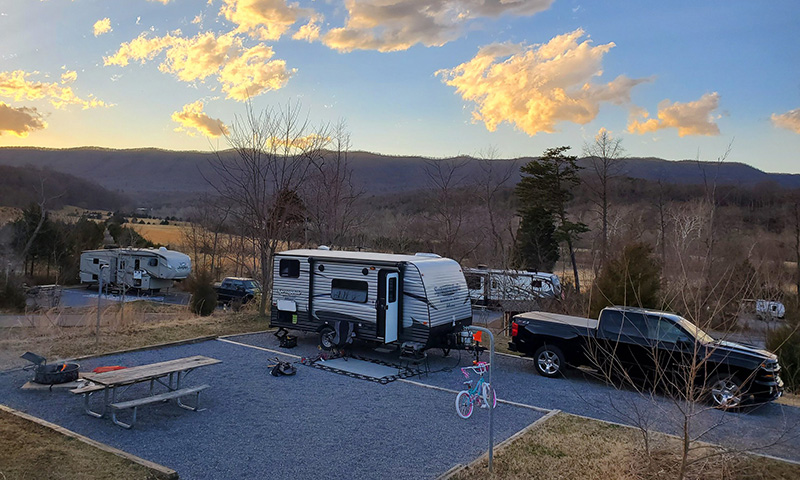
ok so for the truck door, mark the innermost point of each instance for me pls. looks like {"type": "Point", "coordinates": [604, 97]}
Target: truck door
{"type": "Point", "coordinates": [388, 305]}
{"type": "Point", "coordinates": [624, 348]}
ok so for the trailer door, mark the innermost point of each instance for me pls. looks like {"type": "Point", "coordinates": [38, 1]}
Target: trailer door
{"type": "Point", "coordinates": [388, 304]}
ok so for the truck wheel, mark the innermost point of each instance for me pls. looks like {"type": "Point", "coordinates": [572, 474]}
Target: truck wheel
{"type": "Point", "coordinates": [725, 391]}
{"type": "Point", "coordinates": [326, 336]}
{"type": "Point", "coordinates": [549, 361]}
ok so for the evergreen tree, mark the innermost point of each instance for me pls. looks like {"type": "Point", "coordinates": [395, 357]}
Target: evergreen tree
{"type": "Point", "coordinates": [537, 249]}
{"type": "Point", "coordinates": [633, 279]}
{"type": "Point", "coordinates": [545, 190]}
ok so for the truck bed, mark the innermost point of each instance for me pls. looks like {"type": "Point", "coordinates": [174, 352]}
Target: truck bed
{"type": "Point", "coordinates": [581, 322]}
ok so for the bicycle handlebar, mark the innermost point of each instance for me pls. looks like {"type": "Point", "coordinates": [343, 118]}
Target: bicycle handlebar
{"type": "Point", "coordinates": [480, 369]}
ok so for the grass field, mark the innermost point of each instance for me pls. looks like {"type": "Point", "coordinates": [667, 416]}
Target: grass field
{"type": "Point", "coordinates": [171, 235]}
{"type": "Point", "coordinates": [570, 447]}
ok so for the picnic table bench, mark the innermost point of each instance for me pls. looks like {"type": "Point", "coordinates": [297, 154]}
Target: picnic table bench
{"type": "Point", "coordinates": [169, 374]}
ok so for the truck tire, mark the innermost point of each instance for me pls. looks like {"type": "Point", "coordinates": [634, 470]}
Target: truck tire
{"type": "Point", "coordinates": [549, 361]}
{"type": "Point", "coordinates": [724, 391]}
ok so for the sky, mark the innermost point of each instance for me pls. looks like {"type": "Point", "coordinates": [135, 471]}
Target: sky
{"type": "Point", "coordinates": [435, 78]}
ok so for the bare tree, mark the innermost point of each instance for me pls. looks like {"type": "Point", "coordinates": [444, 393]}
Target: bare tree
{"type": "Point", "coordinates": [495, 177]}
{"type": "Point", "coordinates": [448, 209]}
{"type": "Point", "coordinates": [605, 155]}
{"type": "Point", "coordinates": [332, 194]}
{"type": "Point", "coordinates": [273, 152]}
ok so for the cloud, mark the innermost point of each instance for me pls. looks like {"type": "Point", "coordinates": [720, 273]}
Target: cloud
{"type": "Point", "coordinates": [242, 72]}
{"type": "Point", "coordinates": [396, 25]}
{"type": "Point", "coordinates": [308, 32]}
{"type": "Point", "coordinates": [692, 118]}
{"type": "Point", "coordinates": [536, 87]}
{"type": "Point", "coordinates": [102, 26]}
{"type": "Point", "coordinates": [789, 120]}
{"type": "Point", "coordinates": [253, 73]}
{"type": "Point", "coordinates": [198, 57]}
{"type": "Point", "coordinates": [69, 77]}
{"type": "Point", "coordinates": [264, 19]}
{"type": "Point", "coordinates": [19, 121]}
{"type": "Point", "coordinates": [160, 1]}
{"type": "Point", "coordinates": [17, 86]}
{"type": "Point", "coordinates": [192, 118]}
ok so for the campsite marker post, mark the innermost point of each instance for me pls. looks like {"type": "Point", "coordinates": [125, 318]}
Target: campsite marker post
{"type": "Point", "coordinates": [99, 295]}
{"type": "Point", "coordinates": [491, 406]}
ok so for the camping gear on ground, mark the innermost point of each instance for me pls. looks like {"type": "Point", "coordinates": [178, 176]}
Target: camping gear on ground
{"type": "Point", "coordinates": [281, 368]}
{"type": "Point", "coordinates": [51, 374]}
{"type": "Point", "coordinates": [286, 340]}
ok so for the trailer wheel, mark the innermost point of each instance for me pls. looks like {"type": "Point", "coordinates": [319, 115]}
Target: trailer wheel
{"type": "Point", "coordinates": [326, 336]}
{"type": "Point", "coordinates": [549, 361]}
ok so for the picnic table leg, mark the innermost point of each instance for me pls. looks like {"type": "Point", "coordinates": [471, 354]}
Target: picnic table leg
{"type": "Point", "coordinates": [196, 407]}
{"type": "Point", "coordinates": [123, 424]}
{"type": "Point", "coordinates": [91, 412]}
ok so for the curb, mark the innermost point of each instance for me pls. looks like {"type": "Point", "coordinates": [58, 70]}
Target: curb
{"type": "Point", "coordinates": [159, 471]}
{"type": "Point", "coordinates": [498, 448]}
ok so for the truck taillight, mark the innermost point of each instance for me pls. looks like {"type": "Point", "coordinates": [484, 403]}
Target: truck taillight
{"type": "Point", "coordinates": [514, 329]}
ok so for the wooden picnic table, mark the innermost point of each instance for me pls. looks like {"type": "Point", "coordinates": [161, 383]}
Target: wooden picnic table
{"type": "Point", "coordinates": [169, 374]}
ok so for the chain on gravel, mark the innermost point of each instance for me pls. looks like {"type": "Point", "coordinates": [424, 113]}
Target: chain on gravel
{"type": "Point", "coordinates": [405, 372]}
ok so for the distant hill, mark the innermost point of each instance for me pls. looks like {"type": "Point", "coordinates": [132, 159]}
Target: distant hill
{"type": "Point", "coordinates": [21, 186]}
{"type": "Point", "coordinates": [140, 173]}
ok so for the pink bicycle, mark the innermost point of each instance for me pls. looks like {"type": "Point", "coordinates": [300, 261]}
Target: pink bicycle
{"type": "Point", "coordinates": [477, 394]}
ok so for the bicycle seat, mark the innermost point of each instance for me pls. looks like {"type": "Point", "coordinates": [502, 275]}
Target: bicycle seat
{"type": "Point", "coordinates": [468, 382]}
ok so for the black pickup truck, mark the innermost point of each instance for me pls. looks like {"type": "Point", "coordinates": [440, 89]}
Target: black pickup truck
{"type": "Point", "coordinates": [642, 344]}
{"type": "Point", "coordinates": [237, 291]}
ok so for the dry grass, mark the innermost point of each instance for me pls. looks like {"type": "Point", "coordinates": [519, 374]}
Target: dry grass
{"type": "Point", "coordinates": [569, 447]}
{"type": "Point", "coordinates": [29, 450]}
{"type": "Point", "coordinates": [789, 399]}
{"type": "Point", "coordinates": [161, 234]}
{"type": "Point", "coordinates": [144, 324]}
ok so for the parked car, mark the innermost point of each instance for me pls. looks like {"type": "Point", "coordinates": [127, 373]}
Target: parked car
{"type": "Point", "coordinates": [237, 290]}
{"type": "Point", "coordinates": [646, 343]}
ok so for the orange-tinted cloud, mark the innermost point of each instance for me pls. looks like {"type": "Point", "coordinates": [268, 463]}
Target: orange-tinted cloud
{"type": "Point", "coordinates": [692, 118]}
{"type": "Point", "coordinates": [102, 26]}
{"type": "Point", "coordinates": [396, 25]}
{"type": "Point", "coordinates": [17, 86]}
{"type": "Point", "coordinates": [69, 77]}
{"type": "Point", "coordinates": [253, 73]}
{"type": "Point", "coordinates": [192, 119]}
{"type": "Point", "coordinates": [20, 121]}
{"type": "Point", "coordinates": [789, 120]}
{"type": "Point", "coordinates": [242, 72]}
{"type": "Point", "coordinates": [264, 19]}
{"type": "Point", "coordinates": [536, 87]}
{"type": "Point", "coordinates": [308, 32]}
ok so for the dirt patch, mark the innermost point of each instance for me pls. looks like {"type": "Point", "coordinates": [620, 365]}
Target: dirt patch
{"type": "Point", "coordinates": [572, 447]}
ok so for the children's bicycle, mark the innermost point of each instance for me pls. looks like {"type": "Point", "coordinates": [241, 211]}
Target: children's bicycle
{"type": "Point", "coordinates": [478, 394]}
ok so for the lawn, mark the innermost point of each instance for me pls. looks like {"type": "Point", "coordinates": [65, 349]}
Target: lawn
{"type": "Point", "coordinates": [567, 447]}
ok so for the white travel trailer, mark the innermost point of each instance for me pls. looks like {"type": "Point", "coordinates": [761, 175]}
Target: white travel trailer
{"type": "Point", "coordinates": [414, 301]}
{"type": "Point", "coordinates": [492, 287]}
{"type": "Point", "coordinates": [144, 269]}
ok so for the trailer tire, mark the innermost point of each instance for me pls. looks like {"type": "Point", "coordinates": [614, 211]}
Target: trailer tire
{"type": "Point", "coordinates": [326, 336]}
{"type": "Point", "coordinates": [550, 361]}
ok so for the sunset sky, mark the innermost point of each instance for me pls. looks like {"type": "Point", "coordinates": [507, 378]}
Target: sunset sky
{"type": "Point", "coordinates": [676, 80]}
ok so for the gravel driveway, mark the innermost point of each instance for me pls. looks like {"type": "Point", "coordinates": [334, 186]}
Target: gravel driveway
{"type": "Point", "coordinates": [316, 424]}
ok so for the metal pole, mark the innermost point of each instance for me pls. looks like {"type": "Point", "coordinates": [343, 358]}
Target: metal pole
{"type": "Point", "coordinates": [491, 407]}
{"type": "Point", "coordinates": [99, 295]}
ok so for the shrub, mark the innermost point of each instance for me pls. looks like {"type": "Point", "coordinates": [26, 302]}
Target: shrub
{"type": "Point", "coordinates": [204, 297]}
{"type": "Point", "coordinates": [633, 279]}
{"type": "Point", "coordinates": [12, 295]}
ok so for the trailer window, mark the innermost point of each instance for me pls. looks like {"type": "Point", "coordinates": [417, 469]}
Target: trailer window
{"type": "Point", "coordinates": [473, 282]}
{"type": "Point", "coordinates": [349, 290]}
{"type": "Point", "coordinates": [95, 261]}
{"type": "Point", "coordinates": [290, 268]}
{"type": "Point", "coordinates": [153, 262]}
{"type": "Point", "coordinates": [392, 290]}
{"type": "Point", "coordinates": [536, 284]}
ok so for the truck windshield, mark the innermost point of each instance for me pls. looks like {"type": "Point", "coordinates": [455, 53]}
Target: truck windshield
{"type": "Point", "coordinates": [252, 284]}
{"type": "Point", "coordinates": [695, 331]}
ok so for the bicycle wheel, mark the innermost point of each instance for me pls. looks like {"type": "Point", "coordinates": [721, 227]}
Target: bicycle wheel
{"type": "Point", "coordinates": [464, 404]}
{"type": "Point", "coordinates": [485, 394]}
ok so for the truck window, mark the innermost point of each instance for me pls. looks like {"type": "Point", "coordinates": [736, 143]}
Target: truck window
{"type": "Point", "coordinates": [349, 290]}
{"type": "Point", "coordinates": [626, 325]}
{"type": "Point", "coordinates": [663, 330]}
{"type": "Point", "coordinates": [289, 268]}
